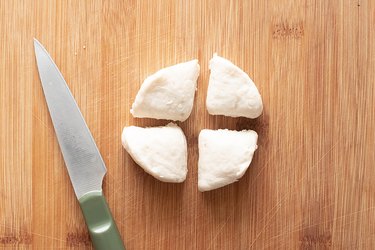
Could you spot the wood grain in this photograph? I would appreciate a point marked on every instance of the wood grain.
(310, 183)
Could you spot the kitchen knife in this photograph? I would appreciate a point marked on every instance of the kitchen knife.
(82, 158)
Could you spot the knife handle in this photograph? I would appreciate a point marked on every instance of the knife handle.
(103, 230)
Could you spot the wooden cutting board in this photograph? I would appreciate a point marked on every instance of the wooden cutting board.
(310, 183)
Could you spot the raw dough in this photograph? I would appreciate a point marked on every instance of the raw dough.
(224, 156)
(231, 92)
(169, 93)
(160, 151)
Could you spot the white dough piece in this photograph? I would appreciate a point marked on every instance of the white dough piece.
(169, 93)
(160, 151)
(224, 156)
(231, 92)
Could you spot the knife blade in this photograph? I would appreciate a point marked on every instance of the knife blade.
(82, 158)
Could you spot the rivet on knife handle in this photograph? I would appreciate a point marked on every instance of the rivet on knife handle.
(102, 228)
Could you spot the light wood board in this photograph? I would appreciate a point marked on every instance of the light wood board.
(310, 185)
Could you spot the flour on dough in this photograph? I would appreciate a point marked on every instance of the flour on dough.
(231, 92)
(224, 156)
(160, 151)
(169, 93)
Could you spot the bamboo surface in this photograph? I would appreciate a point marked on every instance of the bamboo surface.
(310, 185)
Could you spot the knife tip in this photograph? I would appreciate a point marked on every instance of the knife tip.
(35, 41)
(37, 45)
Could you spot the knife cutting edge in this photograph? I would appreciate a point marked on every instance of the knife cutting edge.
(82, 158)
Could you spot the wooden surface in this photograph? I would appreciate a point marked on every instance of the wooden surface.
(310, 185)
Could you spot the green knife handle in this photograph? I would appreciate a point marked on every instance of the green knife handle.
(103, 230)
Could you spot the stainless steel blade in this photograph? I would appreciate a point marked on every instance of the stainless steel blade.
(82, 157)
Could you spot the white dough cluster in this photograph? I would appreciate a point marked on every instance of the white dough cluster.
(169, 93)
(224, 155)
(231, 92)
(160, 151)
